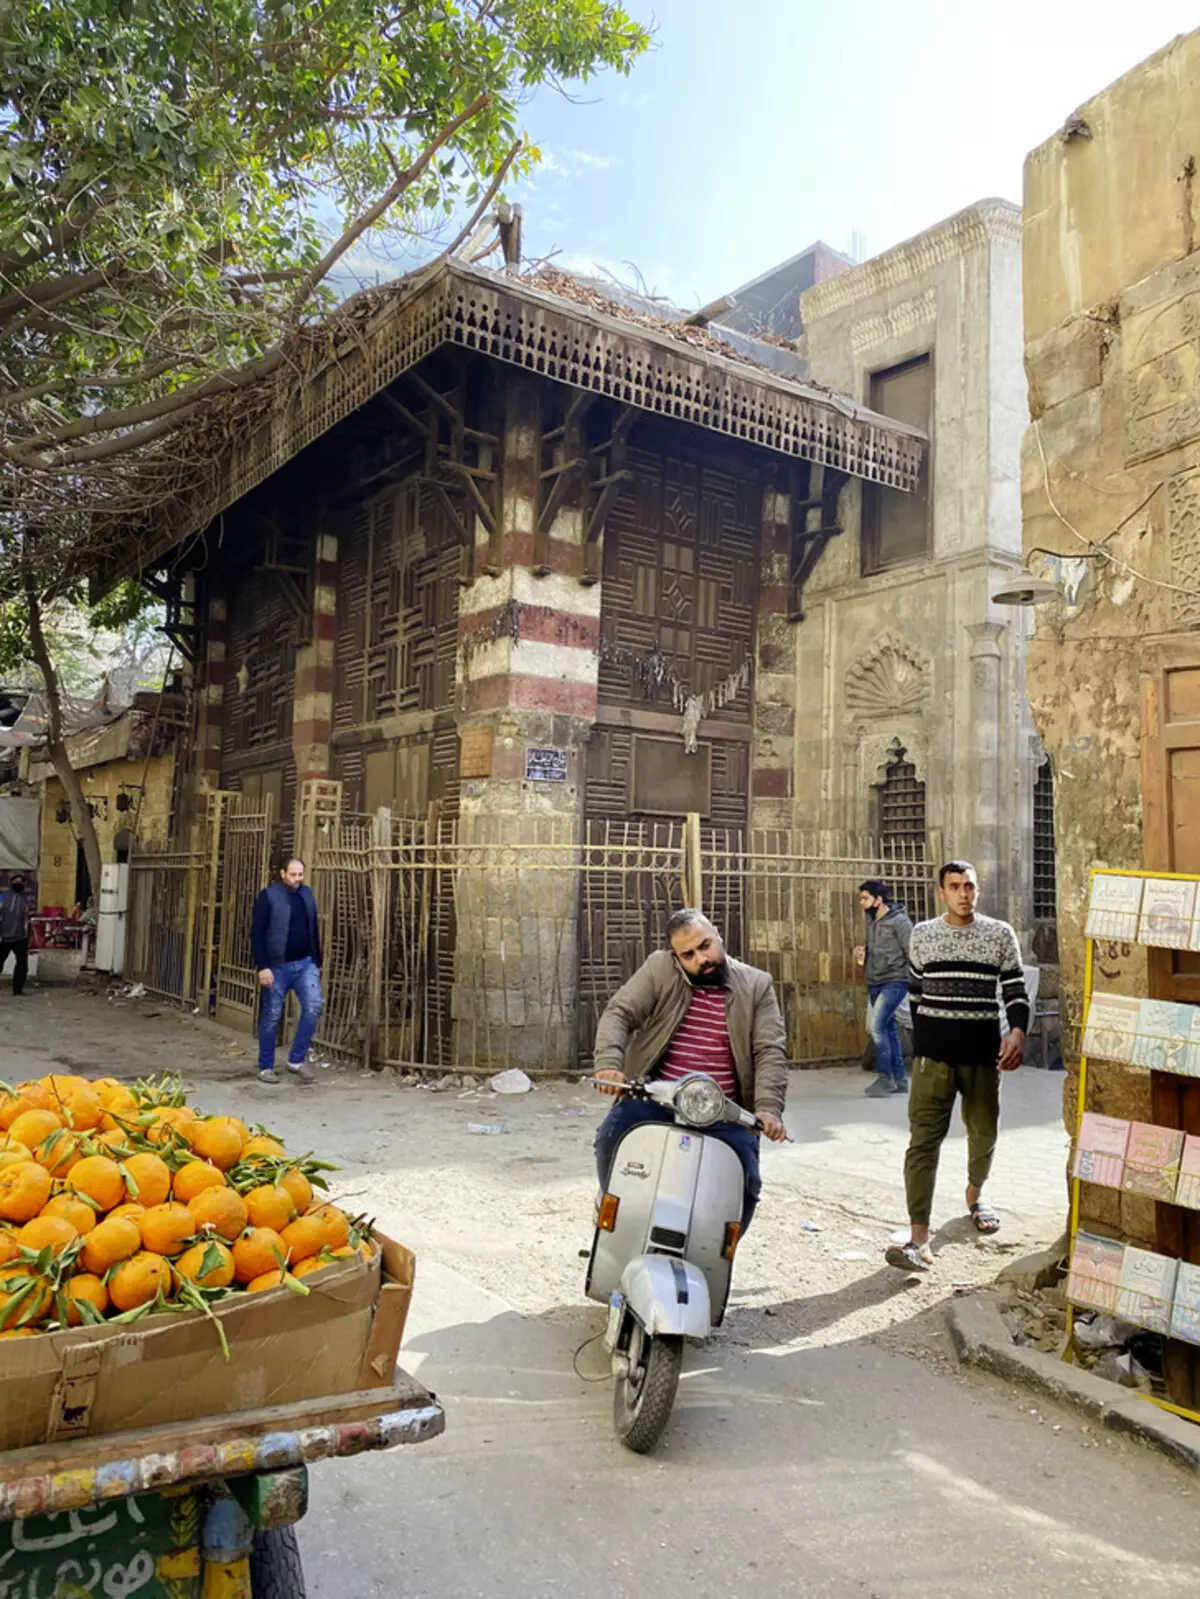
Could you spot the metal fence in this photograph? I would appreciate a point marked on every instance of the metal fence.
(487, 941)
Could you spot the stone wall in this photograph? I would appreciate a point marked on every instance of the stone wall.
(918, 653)
(1112, 309)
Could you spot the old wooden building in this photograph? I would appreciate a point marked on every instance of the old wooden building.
(511, 554)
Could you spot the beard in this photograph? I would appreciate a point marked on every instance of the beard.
(714, 976)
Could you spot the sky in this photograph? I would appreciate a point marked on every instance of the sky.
(755, 127)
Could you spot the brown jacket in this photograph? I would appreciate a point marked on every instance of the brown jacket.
(641, 1018)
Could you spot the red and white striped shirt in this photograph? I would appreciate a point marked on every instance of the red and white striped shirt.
(701, 1043)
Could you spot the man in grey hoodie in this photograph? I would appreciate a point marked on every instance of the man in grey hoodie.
(885, 957)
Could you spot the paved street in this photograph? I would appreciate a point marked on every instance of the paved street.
(826, 1444)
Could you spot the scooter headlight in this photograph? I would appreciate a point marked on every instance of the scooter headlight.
(699, 1101)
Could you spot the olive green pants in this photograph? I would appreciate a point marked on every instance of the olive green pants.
(930, 1105)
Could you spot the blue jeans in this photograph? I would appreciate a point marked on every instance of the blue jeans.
(305, 978)
(627, 1113)
(885, 999)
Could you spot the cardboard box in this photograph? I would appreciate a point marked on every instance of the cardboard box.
(344, 1335)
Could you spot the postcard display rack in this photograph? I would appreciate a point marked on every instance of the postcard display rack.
(1157, 1291)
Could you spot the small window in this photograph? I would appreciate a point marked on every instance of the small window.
(1045, 879)
(895, 524)
(900, 823)
(667, 781)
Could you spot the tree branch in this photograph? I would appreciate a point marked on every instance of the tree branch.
(386, 200)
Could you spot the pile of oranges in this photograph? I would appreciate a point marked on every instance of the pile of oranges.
(120, 1200)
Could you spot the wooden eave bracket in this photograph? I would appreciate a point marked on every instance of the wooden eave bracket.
(807, 545)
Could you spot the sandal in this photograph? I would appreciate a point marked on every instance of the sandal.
(907, 1257)
(985, 1219)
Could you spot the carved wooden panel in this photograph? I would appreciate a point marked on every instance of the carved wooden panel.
(397, 617)
(681, 568)
(261, 666)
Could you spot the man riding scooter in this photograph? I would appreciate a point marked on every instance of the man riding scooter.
(688, 1009)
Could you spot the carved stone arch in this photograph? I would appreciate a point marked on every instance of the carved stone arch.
(890, 679)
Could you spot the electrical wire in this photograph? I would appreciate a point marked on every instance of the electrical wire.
(1098, 550)
(582, 1375)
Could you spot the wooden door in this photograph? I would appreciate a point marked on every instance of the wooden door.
(1171, 829)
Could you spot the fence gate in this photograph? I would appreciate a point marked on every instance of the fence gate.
(245, 865)
(172, 911)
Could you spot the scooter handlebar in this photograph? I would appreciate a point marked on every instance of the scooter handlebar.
(643, 1088)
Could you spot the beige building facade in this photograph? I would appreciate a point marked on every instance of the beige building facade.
(1111, 492)
(911, 718)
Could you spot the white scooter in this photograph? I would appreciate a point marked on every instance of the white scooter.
(667, 1228)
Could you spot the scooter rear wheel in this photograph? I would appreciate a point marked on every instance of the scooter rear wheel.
(643, 1400)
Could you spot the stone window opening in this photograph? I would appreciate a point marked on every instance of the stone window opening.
(1045, 875)
(895, 525)
(899, 823)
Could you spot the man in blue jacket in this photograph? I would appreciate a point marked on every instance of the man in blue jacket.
(286, 943)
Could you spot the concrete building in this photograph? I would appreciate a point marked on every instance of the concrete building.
(1111, 492)
(911, 718)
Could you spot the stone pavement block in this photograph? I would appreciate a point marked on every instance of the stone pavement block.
(981, 1339)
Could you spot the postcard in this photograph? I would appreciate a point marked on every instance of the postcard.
(1168, 913)
(1114, 905)
(1164, 1036)
(1152, 1159)
(1147, 1288)
(1185, 1314)
(1111, 1027)
(1095, 1273)
(1187, 1189)
(1100, 1151)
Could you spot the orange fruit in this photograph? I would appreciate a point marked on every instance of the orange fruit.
(221, 1209)
(194, 1178)
(138, 1280)
(258, 1254)
(24, 1189)
(269, 1279)
(220, 1270)
(148, 1179)
(100, 1179)
(59, 1152)
(220, 1139)
(167, 1229)
(12, 1152)
(335, 1223)
(298, 1185)
(303, 1268)
(269, 1206)
(304, 1237)
(85, 1286)
(81, 1215)
(54, 1232)
(171, 1121)
(10, 1249)
(262, 1144)
(33, 1305)
(20, 1332)
(114, 1142)
(131, 1211)
(119, 1106)
(32, 1126)
(110, 1242)
(29, 1096)
(82, 1108)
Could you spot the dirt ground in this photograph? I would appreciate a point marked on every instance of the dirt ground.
(511, 1211)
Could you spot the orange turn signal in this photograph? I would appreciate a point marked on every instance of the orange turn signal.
(607, 1218)
(733, 1231)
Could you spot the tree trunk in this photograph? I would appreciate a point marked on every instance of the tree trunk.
(56, 744)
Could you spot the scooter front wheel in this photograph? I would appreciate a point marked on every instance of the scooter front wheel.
(644, 1396)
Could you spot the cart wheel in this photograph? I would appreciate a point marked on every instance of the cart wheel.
(275, 1569)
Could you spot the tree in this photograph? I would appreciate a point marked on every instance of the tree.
(163, 168)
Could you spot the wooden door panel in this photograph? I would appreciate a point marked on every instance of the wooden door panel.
(1171, 832)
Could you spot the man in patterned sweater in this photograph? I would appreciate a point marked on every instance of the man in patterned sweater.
(963, 969)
